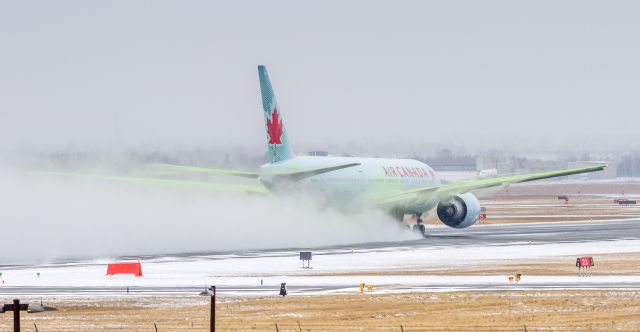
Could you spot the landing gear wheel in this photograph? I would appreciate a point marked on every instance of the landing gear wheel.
(419, 228)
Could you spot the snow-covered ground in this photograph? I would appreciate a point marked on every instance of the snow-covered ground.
(250, 272)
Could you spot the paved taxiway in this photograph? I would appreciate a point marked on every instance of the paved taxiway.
(271, 290)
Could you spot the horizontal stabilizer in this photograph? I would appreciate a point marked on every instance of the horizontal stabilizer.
(205, 170)
(300, 175)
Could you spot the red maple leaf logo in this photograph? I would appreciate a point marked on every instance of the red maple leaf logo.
(274, 128)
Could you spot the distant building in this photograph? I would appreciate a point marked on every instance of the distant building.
(611, 172)
(446, 160)
(629, 165)
(318, 153)
(453, 166)
(512, 164)
(501, 164)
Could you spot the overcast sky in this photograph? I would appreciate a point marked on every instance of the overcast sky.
(182, 73)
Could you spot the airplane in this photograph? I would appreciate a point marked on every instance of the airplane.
(398, 186)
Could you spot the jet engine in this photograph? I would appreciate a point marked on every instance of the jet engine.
(461, 211)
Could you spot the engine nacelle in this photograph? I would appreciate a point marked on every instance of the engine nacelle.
(461, 211)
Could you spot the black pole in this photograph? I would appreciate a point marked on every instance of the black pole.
(212, 326)
(16, 315)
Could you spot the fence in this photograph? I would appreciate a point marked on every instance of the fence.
(300, 327)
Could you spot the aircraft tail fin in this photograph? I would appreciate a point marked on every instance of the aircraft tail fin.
(277, 140)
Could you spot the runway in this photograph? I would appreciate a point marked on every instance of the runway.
(493, 235)
(545, 232)
(341, 269)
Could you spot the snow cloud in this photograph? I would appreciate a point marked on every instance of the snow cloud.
(52, 218)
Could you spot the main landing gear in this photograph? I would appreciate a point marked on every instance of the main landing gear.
(412, 221)
(418, 227)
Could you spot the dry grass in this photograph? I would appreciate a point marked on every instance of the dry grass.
(463, 311)
(605, 264)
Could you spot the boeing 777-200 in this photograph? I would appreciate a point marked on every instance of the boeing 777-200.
(398, 186)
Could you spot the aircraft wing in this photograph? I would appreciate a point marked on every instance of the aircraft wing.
(172, 183)
(445, 191)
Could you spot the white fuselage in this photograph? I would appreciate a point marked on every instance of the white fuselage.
(372, 177)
